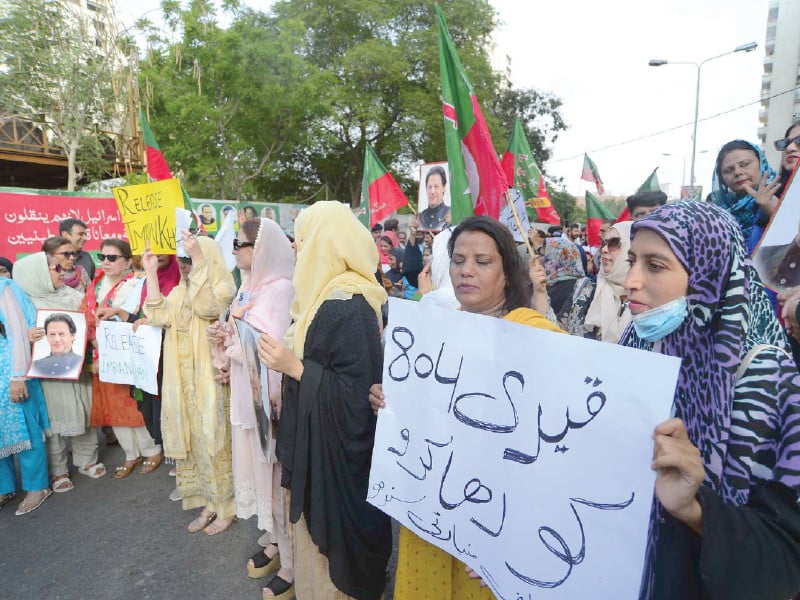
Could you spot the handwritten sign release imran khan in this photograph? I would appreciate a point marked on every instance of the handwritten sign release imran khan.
(148, 212)
(523, 453)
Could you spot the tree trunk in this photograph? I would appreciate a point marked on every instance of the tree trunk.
(72, 153)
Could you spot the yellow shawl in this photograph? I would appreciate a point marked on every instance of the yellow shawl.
(531, 318)
(336, 259)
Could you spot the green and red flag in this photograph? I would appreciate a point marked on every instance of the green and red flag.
(523, 173)
(157, 168)
(380, 193)
(477, 182)
(596, 213)
(156, 164)
(651, 183)
(590, 173)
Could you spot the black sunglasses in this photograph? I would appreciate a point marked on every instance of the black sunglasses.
(613, 243)
(109, 257)
(781, 145)
(185, 260)
(237, 245)
(68, 254)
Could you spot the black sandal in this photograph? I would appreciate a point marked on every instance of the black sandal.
(282, 589)
(6, 498)
(262, 565)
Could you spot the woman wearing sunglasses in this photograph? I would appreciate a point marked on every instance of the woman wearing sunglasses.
(789, 147)
(72, 275)
(115, 295)
(608, 315)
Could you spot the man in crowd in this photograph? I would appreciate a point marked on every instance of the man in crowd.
(75, 231)
(642, 204)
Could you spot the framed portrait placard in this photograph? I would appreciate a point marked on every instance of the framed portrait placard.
(433, 199)
(60, 353)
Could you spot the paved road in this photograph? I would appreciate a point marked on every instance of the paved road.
(122, 540)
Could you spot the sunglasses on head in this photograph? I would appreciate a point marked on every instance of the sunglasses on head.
(781, 145)
(109, 257)
(237, 245)
(612, 243)
(68, 254)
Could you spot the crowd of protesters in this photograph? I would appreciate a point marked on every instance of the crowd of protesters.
(295, 452)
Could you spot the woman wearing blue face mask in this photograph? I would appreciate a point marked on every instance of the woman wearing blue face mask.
(725, 521)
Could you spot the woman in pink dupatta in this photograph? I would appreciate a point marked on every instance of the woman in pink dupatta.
(265, 257)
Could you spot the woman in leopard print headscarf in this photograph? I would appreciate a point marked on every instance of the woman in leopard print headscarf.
(726, 520)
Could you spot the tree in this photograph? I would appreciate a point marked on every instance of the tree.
(566, 205)
(539, 113)
(64, 71)
(381, 62)
(229, 104)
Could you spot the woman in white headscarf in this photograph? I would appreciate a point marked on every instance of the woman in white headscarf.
(441, 288)
(608, 314)
(69, 403)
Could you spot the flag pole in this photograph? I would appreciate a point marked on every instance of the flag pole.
(519, 224)
(412, 207)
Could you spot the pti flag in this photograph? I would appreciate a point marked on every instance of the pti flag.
(651, 183)
(380, 194)
(523, 173)
(157, 168)
(596, 213)
(590, 173)
(477, 182)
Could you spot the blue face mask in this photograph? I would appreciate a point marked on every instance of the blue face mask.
(657, 323)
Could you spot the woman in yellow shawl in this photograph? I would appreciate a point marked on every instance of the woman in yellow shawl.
(489, 278)
(327, 430)
(195, 406)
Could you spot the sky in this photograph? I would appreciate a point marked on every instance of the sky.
(594, 55)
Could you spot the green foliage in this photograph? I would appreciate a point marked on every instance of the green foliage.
(566, 206)
(539, 113)
(280, 106)
(228, 106)
(63, 71)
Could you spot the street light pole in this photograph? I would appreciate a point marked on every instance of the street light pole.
(661, 62)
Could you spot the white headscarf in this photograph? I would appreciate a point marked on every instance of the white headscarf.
(442, 294)
(606, 311)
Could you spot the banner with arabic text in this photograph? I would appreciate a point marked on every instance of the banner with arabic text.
(26, 220)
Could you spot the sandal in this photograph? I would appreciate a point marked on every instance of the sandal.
(125, 469)
(151, 463)
(6, 498)
(261, 565)
(95, 470)
(24, 510)
(282, 589)
(61, 484)
(218, 526)
(204, 520)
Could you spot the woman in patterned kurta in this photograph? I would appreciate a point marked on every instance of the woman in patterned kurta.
(195, 406)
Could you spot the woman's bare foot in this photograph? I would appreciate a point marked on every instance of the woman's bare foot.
(32, 501)
(201, 522)
(281, 585)
(218, 526)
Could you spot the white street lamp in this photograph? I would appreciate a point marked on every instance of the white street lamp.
(658, 62)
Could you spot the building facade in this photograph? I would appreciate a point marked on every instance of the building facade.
(780, 86)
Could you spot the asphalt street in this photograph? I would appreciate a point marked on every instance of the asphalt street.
(123, 539)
